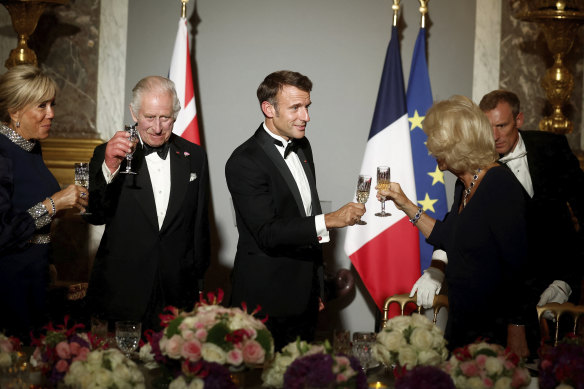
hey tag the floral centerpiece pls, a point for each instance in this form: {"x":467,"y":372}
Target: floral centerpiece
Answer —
{"x":9,"y":351}
{"x":203,"y":374}
{"x":301,"y":364}
{"x":409,"y":341}
{"x":59,"y":347}
{"x":104,"y":369}
{"x":485,"y":365}
{"x":212,"y":333}
{"x":562,"y":366}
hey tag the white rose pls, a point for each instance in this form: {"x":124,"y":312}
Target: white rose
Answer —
{"x":197,"y":383}
{"x":460,"y":381}
{"x":475,"y":383}
{"x":421,"y":321}
{"x":408,"y":357}
{"x":5,"y":360}
{"x":213,"y":353}
{"x":94,"y":357}
{"x":178,"y":383}
{"x":493,"y":366}
{"x":399,"y":323}
{"x":103,"y":378}
{"x":429,"y":358}
{"x":382,"y":354}
{"x":393,"y":340}
{"x":421,"y":339}
{"x":504,"y":383}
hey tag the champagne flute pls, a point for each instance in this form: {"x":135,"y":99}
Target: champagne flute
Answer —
{"x":132,"y":137}
{"x":383,"y":175}
{"x":363,"y":188}
{"x":128,"y":335}
{"x":82,"y":178}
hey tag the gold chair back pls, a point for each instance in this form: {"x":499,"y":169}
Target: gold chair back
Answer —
{"x":559,"y":310}
{"x":440,"y":301}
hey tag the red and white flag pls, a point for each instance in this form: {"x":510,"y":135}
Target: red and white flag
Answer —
{"x":186,"y":124}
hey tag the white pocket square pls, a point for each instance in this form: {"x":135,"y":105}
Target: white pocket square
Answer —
{"x":193,"y":177}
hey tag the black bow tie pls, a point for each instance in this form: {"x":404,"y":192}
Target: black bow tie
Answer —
{"x":290,"y":146}
{"x":161,"y":150}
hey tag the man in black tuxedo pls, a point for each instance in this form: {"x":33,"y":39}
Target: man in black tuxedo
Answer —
{"x":155,"y":248}
{"x":271,"y":178}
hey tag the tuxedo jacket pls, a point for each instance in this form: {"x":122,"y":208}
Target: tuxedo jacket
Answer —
{"x":278,"y":264}
{"x":558,"y":183}
{"x":141,"y":268}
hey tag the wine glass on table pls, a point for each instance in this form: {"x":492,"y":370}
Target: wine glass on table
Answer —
{"x":82,"y":178}
{"x":128,"y":335}
{"x":383,"y":175}
{"x":363,"y":188}
{"x":132,"y":137}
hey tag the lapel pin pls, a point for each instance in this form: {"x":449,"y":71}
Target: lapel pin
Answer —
{"x":187,"y":153}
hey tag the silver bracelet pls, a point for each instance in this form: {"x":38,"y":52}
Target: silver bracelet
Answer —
{"x":415,"y":219}
{"x":53,"y":206}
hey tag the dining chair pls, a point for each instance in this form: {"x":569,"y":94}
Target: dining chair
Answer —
{"x":558,"y":311}
{"x":440,"y":301}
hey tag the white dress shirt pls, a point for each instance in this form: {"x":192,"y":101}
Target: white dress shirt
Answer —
{"x":517,"y":162}
{"x":299,"y":175}
{"x":159,"y":170}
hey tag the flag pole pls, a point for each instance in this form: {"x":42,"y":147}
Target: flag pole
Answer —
{"x":423,"y":10}
{"x":395,"y":8}
{"x":183,"y":12}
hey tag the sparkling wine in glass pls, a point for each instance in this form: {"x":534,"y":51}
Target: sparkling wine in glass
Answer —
{"x":128,"y":335}
{"x":362,"y":349}
{"x":363,"y":188}
{"x":383,"y":176}
{"x":132,"y":137}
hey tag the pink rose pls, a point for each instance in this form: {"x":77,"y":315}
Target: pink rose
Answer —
{"x":63,"y":350}
{"x":253,"y":352}
{"x":481,"y":360}
{"x":61,"y":366}
{"x":342,"y":378}
{"x":488,"y":382}
{"x":191,"y":350}
{"x":520,"y":378}
{"x":74,"y":347}
{"x":6,"y":346}
{"x":82,"y":355}
{"x":235,"y":357}
{"x":174,"y":347}
{"x":201,"y":334}
{"x":469,"y":369}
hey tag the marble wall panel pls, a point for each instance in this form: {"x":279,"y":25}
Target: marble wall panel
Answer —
{"x":66,"y":43}
{"x":524,"y":60}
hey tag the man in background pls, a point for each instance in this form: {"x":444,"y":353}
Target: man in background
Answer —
{"x":272,"y":181}
{"x":155,"y":248}
{"x":554,"y":183}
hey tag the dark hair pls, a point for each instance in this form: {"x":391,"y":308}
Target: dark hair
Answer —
{"x":492,"y":99}
{"x":275,"y":81}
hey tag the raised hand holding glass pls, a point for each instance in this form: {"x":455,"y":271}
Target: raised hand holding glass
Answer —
{"x":132,"y":137}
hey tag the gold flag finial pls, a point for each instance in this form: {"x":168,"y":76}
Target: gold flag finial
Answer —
{"x":183,"y":12}
{"x":395,"y":8}
{"x":423,"y":10}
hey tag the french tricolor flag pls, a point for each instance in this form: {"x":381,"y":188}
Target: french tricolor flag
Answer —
{"x":186,"y":124}
{"x":385,"y":252}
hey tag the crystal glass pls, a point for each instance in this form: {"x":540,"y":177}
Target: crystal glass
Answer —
{"x":383,"y":176}
{"x":363,"y":188}
{"x":128,"y":335}
{"x":362,"y":349}
{"x":82,"y":176}
{"x":132,"y":137}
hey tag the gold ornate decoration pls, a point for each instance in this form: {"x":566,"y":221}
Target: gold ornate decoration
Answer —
{"x":60,"y":155}
{"x":423,"y":11}
{"x":395,"y":8}
{"x":559,"y":20}
{"x":25,"y":15}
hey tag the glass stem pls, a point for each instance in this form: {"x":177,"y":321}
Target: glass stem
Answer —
{"x":383,"y":206}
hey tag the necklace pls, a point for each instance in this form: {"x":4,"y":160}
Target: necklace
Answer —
{"x":469,"y":189}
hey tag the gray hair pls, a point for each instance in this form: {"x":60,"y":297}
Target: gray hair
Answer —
{"x":154,"y":84}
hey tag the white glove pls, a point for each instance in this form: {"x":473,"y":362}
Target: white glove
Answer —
{"x":428,"y":285}
{"x":558,"y":292}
